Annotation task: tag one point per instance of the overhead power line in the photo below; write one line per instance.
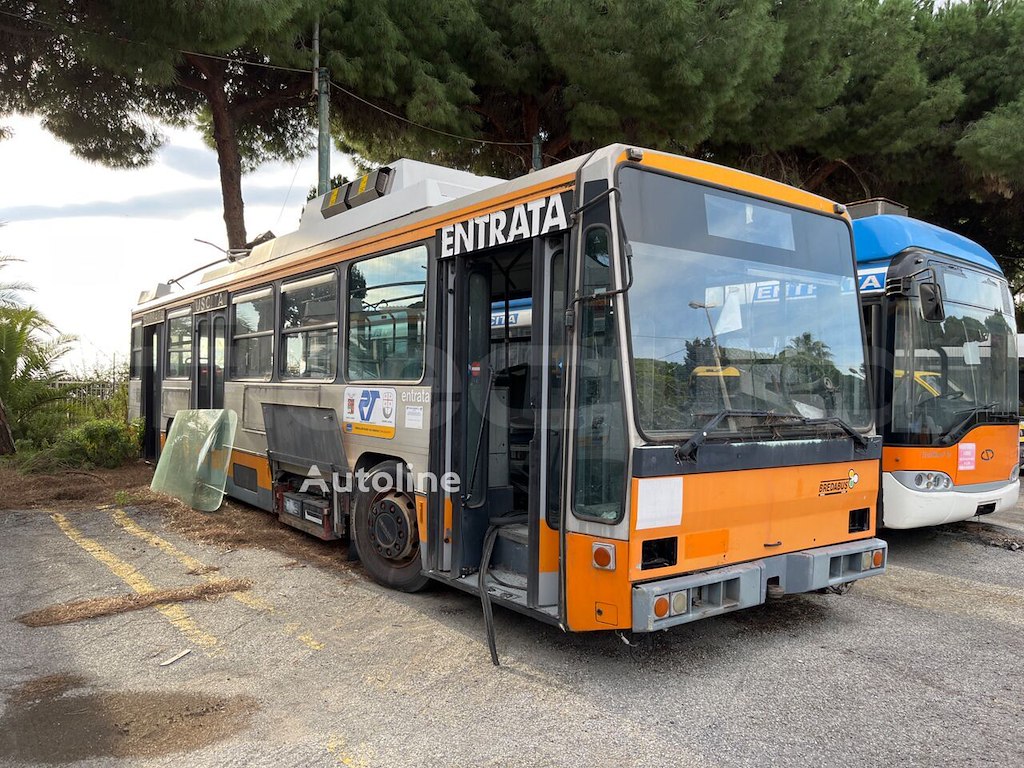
(427, 127)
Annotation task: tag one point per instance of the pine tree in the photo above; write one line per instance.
(98, 73)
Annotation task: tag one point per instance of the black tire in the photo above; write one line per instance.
(386, 533)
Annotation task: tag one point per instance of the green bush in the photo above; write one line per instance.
(40, 429)
(99, 443)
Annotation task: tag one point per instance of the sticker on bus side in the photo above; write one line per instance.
(967, 456)
(370, 411)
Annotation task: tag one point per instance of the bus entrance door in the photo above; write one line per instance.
(151, 373)
(507, 403)
(210, 343)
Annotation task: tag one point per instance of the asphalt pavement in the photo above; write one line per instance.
(319, 666)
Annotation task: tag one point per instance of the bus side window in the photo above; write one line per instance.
(135, 362)
(252, 339)
(387, 317)
(600, 418)
(179, 346)
(309, 327)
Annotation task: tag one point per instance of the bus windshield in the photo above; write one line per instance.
(953, 374)
(738, 305)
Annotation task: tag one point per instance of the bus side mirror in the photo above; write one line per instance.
(597, 277)
(931, 302)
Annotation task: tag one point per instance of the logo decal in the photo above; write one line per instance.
(366, 403)
(988, 454)
(370, 411)
(842, 485)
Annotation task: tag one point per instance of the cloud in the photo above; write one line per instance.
(174, 204)
(193, 161)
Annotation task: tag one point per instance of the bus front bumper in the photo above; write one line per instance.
(722, 590)
(907, 508)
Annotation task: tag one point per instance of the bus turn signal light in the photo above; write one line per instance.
(604, 557)
(661, 606)
(877, 558)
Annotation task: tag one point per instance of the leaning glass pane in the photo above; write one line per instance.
(193, 466)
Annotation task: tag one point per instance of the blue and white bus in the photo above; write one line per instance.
(941, 328)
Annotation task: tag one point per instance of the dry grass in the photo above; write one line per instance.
(239, 526)
(992, 535)
(48, 687)
(70, 488)
(234, 526)
(79, 610)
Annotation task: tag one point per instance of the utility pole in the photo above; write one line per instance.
(538, 161)
(322, 85)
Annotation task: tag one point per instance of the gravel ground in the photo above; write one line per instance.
(318, 666)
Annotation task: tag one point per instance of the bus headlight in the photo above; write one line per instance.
(1015, 473)
(924, 481)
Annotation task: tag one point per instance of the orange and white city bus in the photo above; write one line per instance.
(640, 374)
(941, 326)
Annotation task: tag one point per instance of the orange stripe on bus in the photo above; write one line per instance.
(596, 598)
(1003, 440)
(300, 261)
(734, 179)
(548, 546)
(256, 462)
(421, 517)
(743, 515)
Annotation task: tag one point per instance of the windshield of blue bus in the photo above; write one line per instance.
(952, 374)
(738, 304)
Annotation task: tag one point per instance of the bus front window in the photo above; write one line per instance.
(952, 374)
(739, 305)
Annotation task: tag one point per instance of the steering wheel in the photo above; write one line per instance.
(787, 378)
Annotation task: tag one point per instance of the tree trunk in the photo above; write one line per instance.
(819, 177)
(6, 438)
(229, 159)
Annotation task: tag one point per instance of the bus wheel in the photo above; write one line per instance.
(386, 533)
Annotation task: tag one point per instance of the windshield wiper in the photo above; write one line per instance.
(835, 421)
(832, 421)
(687, 451)
(953, 433)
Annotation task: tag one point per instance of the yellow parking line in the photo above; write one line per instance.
(337, 747)
(139, 583)
(130, 526)
(122, 519)
(295, 630)
(191, 563)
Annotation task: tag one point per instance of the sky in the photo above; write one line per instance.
(92, 238)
